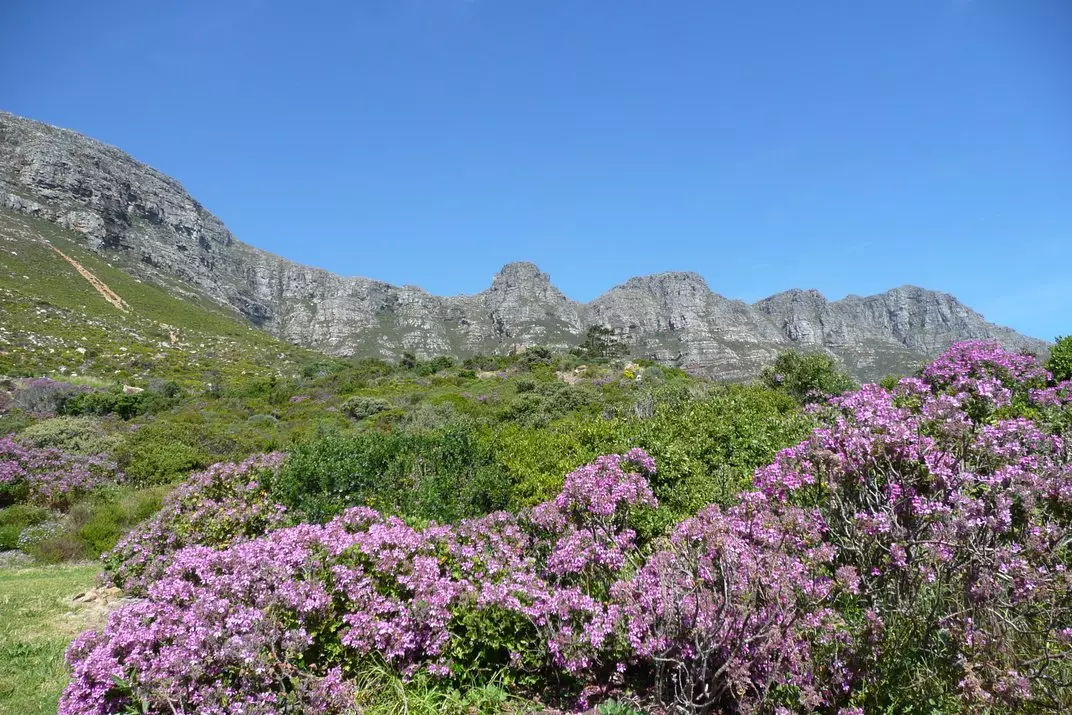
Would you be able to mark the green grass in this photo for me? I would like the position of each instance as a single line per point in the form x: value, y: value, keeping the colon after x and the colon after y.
x: 37, y: 620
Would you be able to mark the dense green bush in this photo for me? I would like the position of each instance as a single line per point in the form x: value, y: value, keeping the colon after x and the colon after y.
x: 1060, y: 362
x: 435, y: 365
x: 808, y: 377
x: 536, y: 355
x: 156, y: 454
x: 117, y: 402
x: 443, y: 476
x: 706, y: 448
x: 80, y: 435
x: 359, y: 407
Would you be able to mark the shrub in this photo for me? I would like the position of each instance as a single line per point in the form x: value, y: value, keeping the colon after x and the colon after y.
x: 1060, y: 362
x: 534, y: 356
x: 808, y: 377
x: 329, y: 598
x: 359, y: 407
x: 49, y: 476
x: 222, y: 505
x: 46, y: 532
x: 96, y: 524
x: 157, y: 454
x: 726, y: 610
x: 321, y: 368
x: 431, y: 417
x: 80, y: 435
x: 443, y: 475
x: 952, y: 525
x: 118, y: 402
x: 436, y: 364
x: 14, y: 519
x: 43, y: 396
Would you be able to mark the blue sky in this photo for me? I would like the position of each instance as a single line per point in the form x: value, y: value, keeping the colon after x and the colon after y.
x: 845, y: 145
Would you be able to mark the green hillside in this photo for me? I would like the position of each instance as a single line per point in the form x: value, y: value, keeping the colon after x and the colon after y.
x: 55, y: 321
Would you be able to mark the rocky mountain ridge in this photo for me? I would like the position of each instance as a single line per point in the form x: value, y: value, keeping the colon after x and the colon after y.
x: 148, y: 224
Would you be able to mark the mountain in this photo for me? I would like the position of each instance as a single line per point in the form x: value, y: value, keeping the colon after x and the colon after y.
x: 143, y: 222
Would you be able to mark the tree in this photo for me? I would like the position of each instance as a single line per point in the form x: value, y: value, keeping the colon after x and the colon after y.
x: 809, y: 377
x: 602, y: 342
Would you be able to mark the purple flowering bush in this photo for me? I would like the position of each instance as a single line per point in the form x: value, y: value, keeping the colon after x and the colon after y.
x: 270, y: 624
x: 951, y: 526
x: 44, y: 396
x: 222, y: 505
x: 912, y: 554
x: 49, y: 476
x: 732, y: 607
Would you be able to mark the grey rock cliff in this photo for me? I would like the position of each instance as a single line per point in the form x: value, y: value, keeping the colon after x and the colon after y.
x: 147, y: 223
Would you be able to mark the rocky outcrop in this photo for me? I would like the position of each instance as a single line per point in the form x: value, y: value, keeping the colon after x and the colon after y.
x: 147, y: 223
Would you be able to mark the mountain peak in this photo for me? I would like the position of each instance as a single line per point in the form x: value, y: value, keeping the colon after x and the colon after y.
x: 680, y: 279
x: 524, y: 271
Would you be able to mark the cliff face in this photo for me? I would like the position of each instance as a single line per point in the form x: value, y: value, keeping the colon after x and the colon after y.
x: 148, y: 224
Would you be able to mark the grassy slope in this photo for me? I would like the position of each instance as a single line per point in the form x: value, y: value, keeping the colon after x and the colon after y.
x: 37, y: 620
x: 50, y: 312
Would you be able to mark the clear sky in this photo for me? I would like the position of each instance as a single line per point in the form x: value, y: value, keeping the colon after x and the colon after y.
x: 846, y: 145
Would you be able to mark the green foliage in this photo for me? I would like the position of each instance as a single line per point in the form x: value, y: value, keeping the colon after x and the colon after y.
x: 435, y: 365
x: 484, y: 639
x: 117, y: 402
x: 80, y: 435
x: 359, y: 407
x: 382, y: 691
x: 1060, y: 362
x: 443, y: 476
x: 95, y: 525
x: 617, y: 707
x: 808, y: 377
x: 14, y: 519
x: 601, y: 342
x: 706, y: 449
x: 889, y: 382
x: 159, y: 453
x: 536, y: 355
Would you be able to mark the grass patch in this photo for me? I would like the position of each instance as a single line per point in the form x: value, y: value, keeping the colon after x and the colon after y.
x: 37, y: 620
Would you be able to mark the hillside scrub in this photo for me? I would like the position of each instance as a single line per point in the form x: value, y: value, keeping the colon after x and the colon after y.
x: 911, y: 554
x: 48, y: 476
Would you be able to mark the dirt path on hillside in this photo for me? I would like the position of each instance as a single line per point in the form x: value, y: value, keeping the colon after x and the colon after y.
x: 101, y: 287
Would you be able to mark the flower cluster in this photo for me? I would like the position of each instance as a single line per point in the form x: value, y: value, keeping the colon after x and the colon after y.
x: 730, y: 606
x: 985, y: 371
x: 220, y: 506
x: 49, y: 476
